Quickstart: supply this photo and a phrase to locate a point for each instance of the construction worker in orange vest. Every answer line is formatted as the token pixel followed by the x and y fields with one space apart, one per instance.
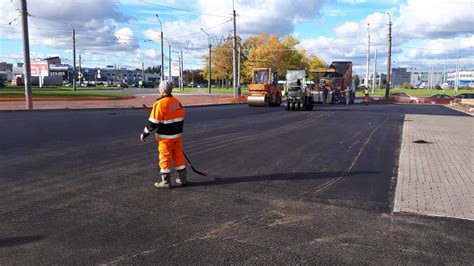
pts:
pixel 167 117
pixel 366 98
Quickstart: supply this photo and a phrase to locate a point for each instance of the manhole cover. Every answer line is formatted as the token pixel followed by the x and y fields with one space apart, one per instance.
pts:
pixel 420 141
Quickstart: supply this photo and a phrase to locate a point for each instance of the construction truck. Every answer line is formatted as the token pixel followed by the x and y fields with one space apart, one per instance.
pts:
pixel 298 95
pixel 264 89
pixel 331 83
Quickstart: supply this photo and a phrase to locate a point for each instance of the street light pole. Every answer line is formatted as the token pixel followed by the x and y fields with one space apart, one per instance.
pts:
pixel 80 64
pixel 234 56
pixel 210 70
pixel 26 54
pixel 389 56
pixel 368 58
pixel 170 78
pixel 74 59
pixel 162 55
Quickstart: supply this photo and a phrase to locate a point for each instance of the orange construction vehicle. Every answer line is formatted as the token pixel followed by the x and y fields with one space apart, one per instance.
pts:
pixel 330 83
pixel 264 89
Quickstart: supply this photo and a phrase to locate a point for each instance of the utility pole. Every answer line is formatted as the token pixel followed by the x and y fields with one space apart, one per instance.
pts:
pixel 456 87
pixel 182 70
pixel 234 57
pixel 170 77
pixel 80 66
pixel 374 80
pixel 431 79
pixel 368 57
pixel 80 73
pixel 238 64
pixel 444 76
pixel 74 59
pixel 26 56
pixel 210 70
pixel 143 74
pixel 181 86
pixel 162 55
pixel 389 57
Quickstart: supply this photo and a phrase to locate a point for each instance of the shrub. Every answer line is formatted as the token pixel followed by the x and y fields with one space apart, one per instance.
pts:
pixel 407 86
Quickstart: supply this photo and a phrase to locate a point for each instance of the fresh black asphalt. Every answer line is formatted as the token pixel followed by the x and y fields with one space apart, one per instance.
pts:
pixel 284 187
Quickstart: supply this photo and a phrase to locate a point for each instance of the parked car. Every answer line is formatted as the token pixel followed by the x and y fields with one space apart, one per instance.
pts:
pixel 401 97
pixel 122 85
pixel 459 97
pixel 439 99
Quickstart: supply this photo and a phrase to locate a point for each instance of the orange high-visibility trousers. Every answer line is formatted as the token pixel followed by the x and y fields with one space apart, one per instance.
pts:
pixel 170 153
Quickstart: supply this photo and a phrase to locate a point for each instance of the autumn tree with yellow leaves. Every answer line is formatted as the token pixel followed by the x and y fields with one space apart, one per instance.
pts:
pixel 261 51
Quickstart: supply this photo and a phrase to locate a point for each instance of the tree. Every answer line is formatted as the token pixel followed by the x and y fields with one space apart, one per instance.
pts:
pixel 262 50
pixel 313 62
pixel 221 62
pixel 356 80
pixel 153 69
pixel 293 58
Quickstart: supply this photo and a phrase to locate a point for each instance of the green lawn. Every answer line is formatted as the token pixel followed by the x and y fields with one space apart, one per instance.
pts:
pixel 67 94
pixel 184 90
pixel 413 92
pixel 230 90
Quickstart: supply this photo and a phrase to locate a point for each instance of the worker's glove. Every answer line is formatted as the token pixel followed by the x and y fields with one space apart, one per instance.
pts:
pixel 143 136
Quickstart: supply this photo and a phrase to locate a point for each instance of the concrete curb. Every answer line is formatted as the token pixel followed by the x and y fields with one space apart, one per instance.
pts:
pixel 459 110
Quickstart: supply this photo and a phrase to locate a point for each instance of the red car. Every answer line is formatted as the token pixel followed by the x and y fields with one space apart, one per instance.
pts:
pixel 401 97
pixel 439 99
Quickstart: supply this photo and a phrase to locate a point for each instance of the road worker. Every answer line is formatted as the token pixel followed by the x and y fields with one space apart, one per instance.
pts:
pixel 366 98
pixel 167 117
pixel 348 95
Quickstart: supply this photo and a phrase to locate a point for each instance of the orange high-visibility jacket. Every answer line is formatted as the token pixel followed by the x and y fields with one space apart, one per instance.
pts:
pixel 168 115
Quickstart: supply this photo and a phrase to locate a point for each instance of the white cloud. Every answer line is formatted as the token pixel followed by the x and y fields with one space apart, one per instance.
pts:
pixel 435 18
pixel 462 46
pixel 445 29
pixel 271 16
pixel 96 24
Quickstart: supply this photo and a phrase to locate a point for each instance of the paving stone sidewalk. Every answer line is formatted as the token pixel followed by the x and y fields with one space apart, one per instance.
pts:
pixel 437 178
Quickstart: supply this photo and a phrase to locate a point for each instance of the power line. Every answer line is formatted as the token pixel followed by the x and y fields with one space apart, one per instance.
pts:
pixel 184 10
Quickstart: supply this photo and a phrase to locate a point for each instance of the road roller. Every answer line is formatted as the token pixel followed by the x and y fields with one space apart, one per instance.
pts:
pixel 264 90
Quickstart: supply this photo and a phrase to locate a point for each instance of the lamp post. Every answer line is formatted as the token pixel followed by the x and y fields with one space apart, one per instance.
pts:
pixel 389 56
pixel 210 70
pixel 80 63
pixel 170 78
pixel 162 55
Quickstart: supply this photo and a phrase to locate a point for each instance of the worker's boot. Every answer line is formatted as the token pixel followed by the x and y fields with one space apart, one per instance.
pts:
pixel 182 178
pixel 165 181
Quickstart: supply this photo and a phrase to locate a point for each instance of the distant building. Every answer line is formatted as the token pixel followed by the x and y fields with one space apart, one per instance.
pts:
pixel 111 74
pixel 421 79
pixel 466 78
pixel 6 67
pixel 399 76
pixel 51 71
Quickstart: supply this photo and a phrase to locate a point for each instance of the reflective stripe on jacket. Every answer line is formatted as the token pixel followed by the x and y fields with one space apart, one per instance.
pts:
pixel 168 113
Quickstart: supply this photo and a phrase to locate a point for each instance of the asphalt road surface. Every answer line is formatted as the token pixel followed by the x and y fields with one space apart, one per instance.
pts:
pixel 284 187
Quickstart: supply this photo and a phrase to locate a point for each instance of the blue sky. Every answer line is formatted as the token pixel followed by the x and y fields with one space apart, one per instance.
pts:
pixel 126 32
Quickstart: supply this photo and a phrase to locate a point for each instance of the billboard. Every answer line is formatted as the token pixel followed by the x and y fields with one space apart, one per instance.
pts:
pixel 174 69
pixel 39 69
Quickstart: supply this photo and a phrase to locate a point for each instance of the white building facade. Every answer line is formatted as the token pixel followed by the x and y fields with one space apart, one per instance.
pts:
pixel 466 78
